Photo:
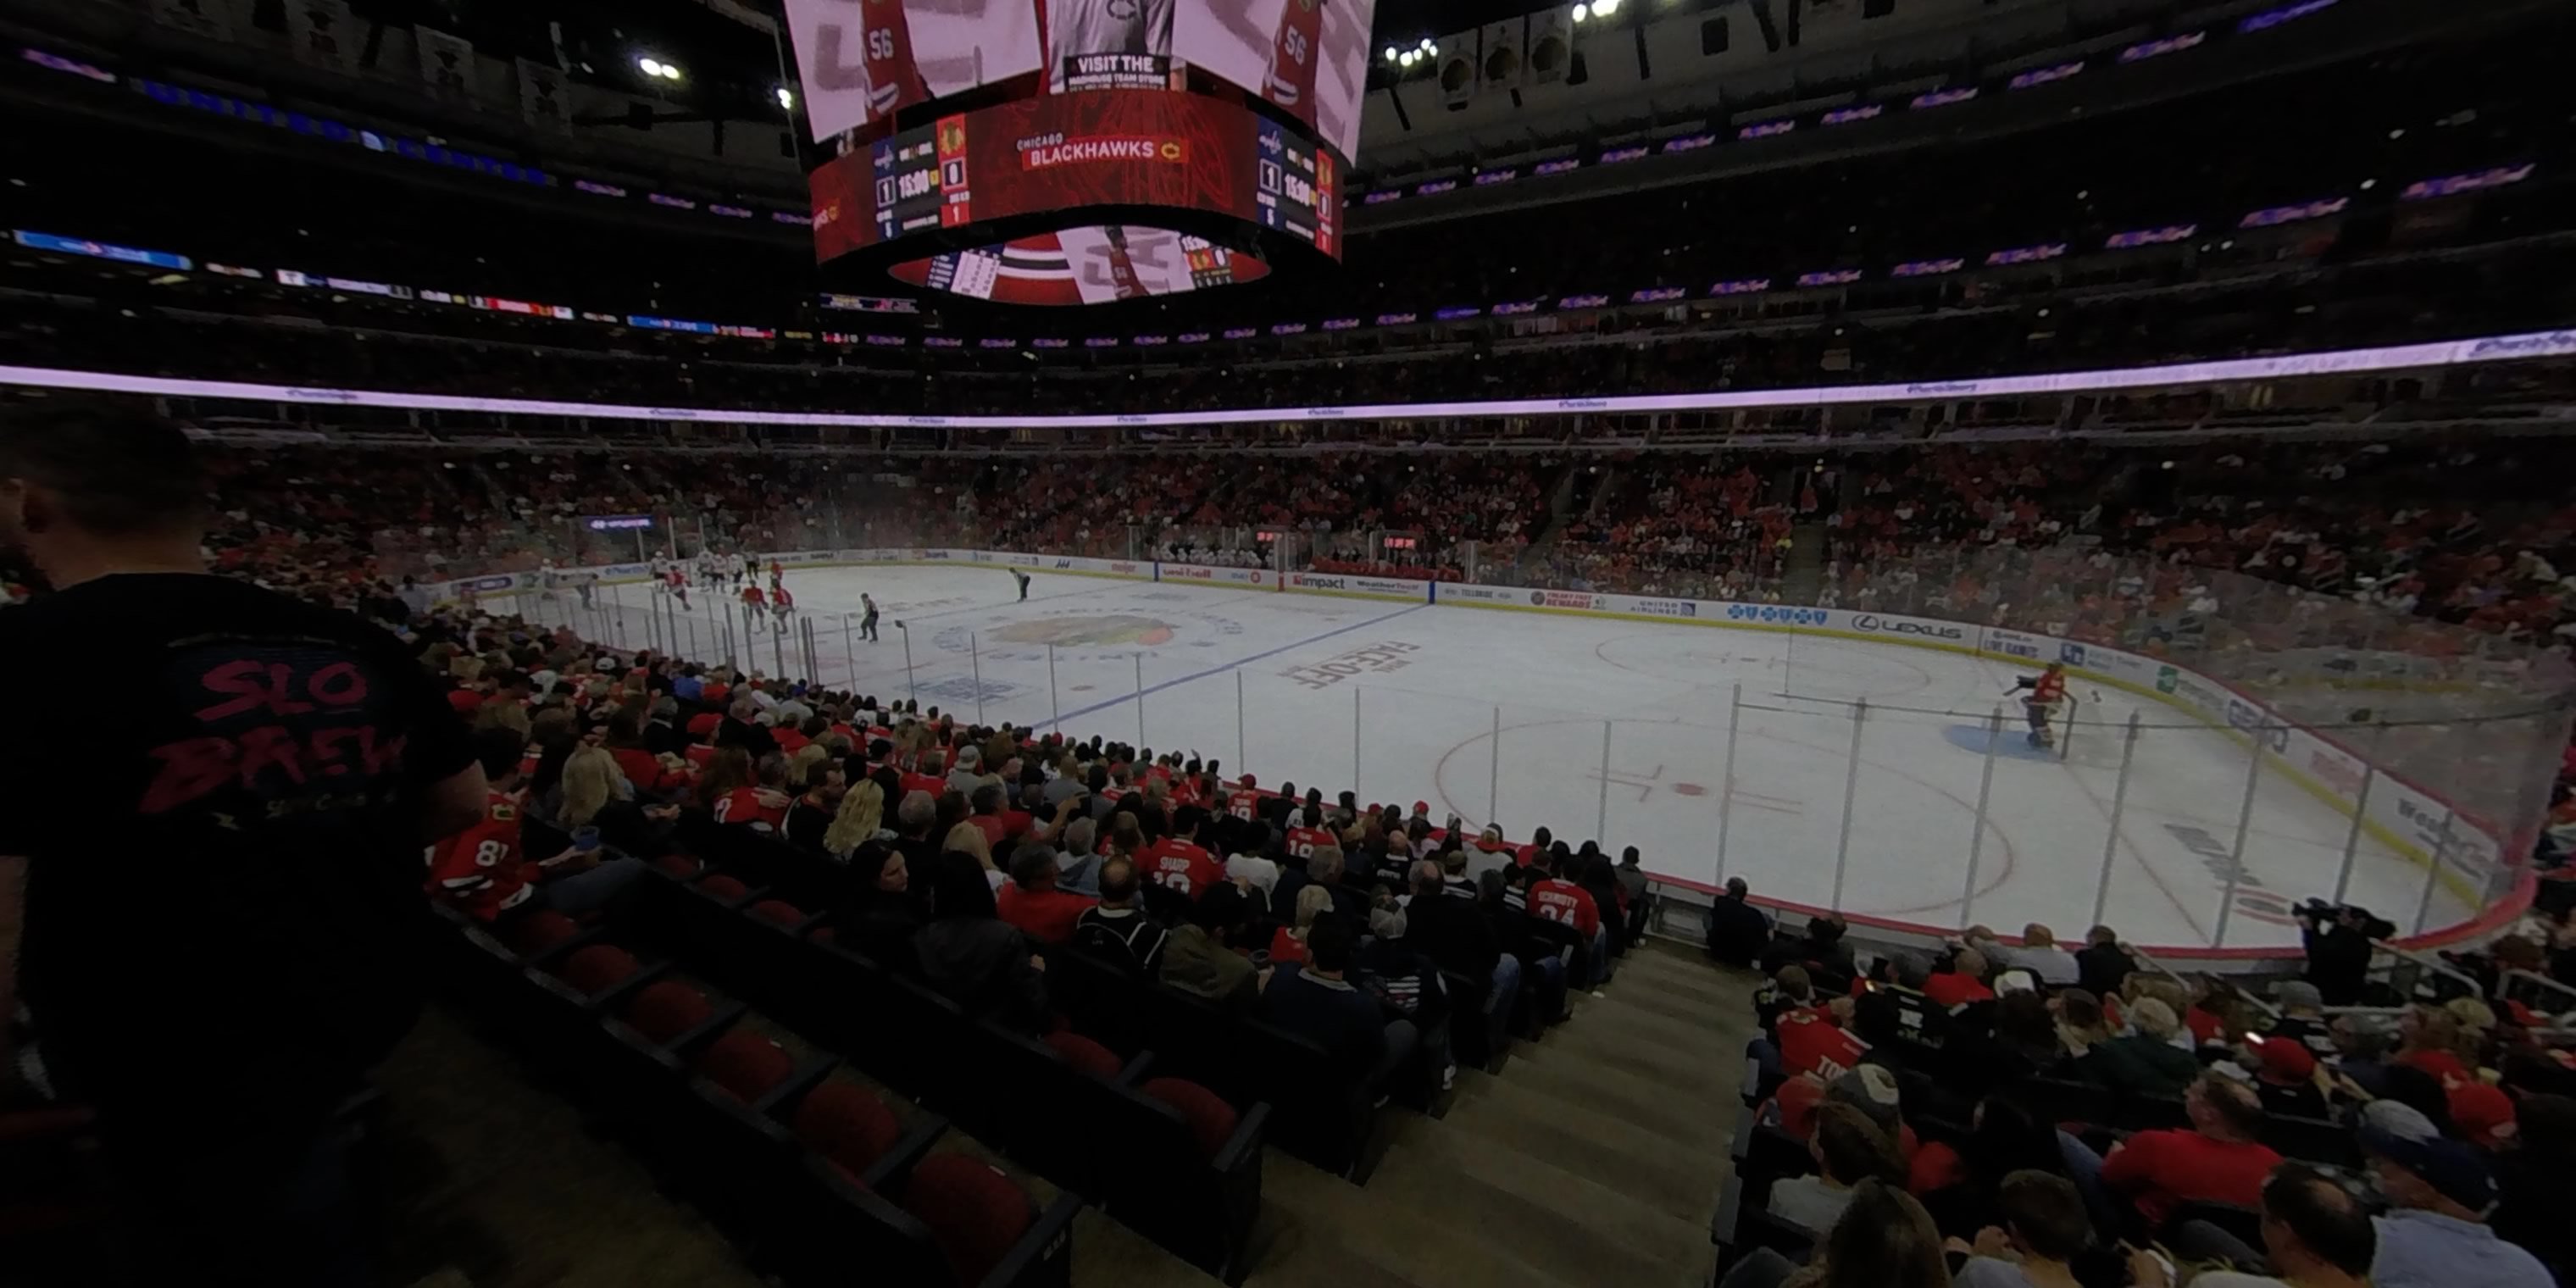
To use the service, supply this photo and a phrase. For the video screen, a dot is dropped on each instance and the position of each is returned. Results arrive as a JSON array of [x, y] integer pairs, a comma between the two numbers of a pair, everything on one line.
[[1100, 264], [1310, 57], [864, 60], [1063, 151]]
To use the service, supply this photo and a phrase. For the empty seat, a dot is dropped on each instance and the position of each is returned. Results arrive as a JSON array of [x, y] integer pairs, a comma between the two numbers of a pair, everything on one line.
[[534, 933], [1210, 1119], [1084, 1054], [779, 911], [846, 1125], [724, 888], [973, 1213], [666, 1009], [679, 865], [745, 1064], [598, 968]]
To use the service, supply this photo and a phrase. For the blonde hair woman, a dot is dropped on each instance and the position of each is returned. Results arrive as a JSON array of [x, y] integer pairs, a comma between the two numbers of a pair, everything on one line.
[[968, 839], [806, 755], [860, 818], [502, 715], [591, 780]]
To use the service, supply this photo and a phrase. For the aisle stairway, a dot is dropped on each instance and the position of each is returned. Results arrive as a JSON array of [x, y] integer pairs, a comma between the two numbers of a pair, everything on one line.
[[1594, 1157], [1802, 580]]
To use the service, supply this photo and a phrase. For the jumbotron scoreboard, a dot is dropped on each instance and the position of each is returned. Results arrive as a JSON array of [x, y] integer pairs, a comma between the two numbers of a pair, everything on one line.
[[1077, 151]]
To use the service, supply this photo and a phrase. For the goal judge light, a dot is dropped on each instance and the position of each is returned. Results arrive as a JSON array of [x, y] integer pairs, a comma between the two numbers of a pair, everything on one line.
[[1077, 151]]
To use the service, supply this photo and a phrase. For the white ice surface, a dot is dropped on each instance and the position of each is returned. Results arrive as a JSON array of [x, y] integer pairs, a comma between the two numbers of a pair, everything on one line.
[[1428, 685]]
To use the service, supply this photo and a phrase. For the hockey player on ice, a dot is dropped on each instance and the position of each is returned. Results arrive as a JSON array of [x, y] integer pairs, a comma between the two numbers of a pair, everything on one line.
[[2047, 690]]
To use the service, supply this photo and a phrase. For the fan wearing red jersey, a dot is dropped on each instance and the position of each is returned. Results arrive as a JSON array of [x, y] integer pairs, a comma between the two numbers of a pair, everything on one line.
[[1812, 1042], [761, 805], [1177, 862], [1304, 841], [1565, 903], [484, 871]]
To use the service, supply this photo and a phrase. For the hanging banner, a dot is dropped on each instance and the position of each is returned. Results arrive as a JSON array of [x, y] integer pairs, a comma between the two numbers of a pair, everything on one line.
[[542, 97], [210, 19], [446, 63], [1551, 48], [1458, 72], [1502, 64], [323, 33]]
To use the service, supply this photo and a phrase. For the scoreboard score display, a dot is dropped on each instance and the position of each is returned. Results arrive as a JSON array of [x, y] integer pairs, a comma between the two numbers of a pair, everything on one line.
[[1142, 146]]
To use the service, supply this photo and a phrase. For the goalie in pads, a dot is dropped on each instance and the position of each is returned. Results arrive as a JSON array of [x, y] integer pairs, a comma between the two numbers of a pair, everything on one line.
[[2047, 690]]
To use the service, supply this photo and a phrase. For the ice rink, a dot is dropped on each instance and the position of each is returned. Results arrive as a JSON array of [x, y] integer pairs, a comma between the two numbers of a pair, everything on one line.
[[1404, 703]]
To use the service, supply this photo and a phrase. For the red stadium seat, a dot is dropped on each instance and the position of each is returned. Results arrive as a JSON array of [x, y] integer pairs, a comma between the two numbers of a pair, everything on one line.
[[1211, 1120], [665, 1009], [724, 887], [974, 1213], [846, 1125], [538, 931], [746, 1064], [679, 865], [779, 911], [1084, 1054], [598, 968]]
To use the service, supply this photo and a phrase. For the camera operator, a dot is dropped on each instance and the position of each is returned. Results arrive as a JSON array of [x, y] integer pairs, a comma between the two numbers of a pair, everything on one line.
[[2338, 940]]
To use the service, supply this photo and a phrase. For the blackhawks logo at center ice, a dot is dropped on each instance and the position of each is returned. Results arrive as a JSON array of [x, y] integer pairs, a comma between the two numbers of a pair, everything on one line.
[[1070, 632]]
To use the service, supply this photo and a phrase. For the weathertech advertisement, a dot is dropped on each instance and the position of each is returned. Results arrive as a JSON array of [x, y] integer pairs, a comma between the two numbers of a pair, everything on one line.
[[1126, 148], [1310, 57], [863, 60]]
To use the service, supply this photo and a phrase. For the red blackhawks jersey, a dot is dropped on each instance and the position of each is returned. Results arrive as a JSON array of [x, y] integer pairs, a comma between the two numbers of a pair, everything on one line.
[[1291, 79], [1810, 1042], [1176, 864], [895, 81], [1304, 841], [742, 806], [1566, 904], [751, 595], [2049, 687], [481, 869]]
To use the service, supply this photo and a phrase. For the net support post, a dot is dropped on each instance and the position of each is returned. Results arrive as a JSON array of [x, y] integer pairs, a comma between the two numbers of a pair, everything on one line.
[[1977, 825], [1494, 773], [2119, 807], [2360, 810], [2244, 828], [1055, 696], [2433, 862], [1601, 816], [1726, 777], [1140, 702], [1241, 758], [975, 660], [1851, 794]]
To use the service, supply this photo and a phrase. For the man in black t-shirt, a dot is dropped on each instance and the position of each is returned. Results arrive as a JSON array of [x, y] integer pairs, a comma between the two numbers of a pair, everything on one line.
[[216, 859]]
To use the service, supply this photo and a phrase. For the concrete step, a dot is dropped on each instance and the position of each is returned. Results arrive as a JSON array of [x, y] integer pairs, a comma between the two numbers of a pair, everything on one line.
[[1560, 1224], [1106, 1254], [1412, 1227], [1642, 1088], [1671, 1162]]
